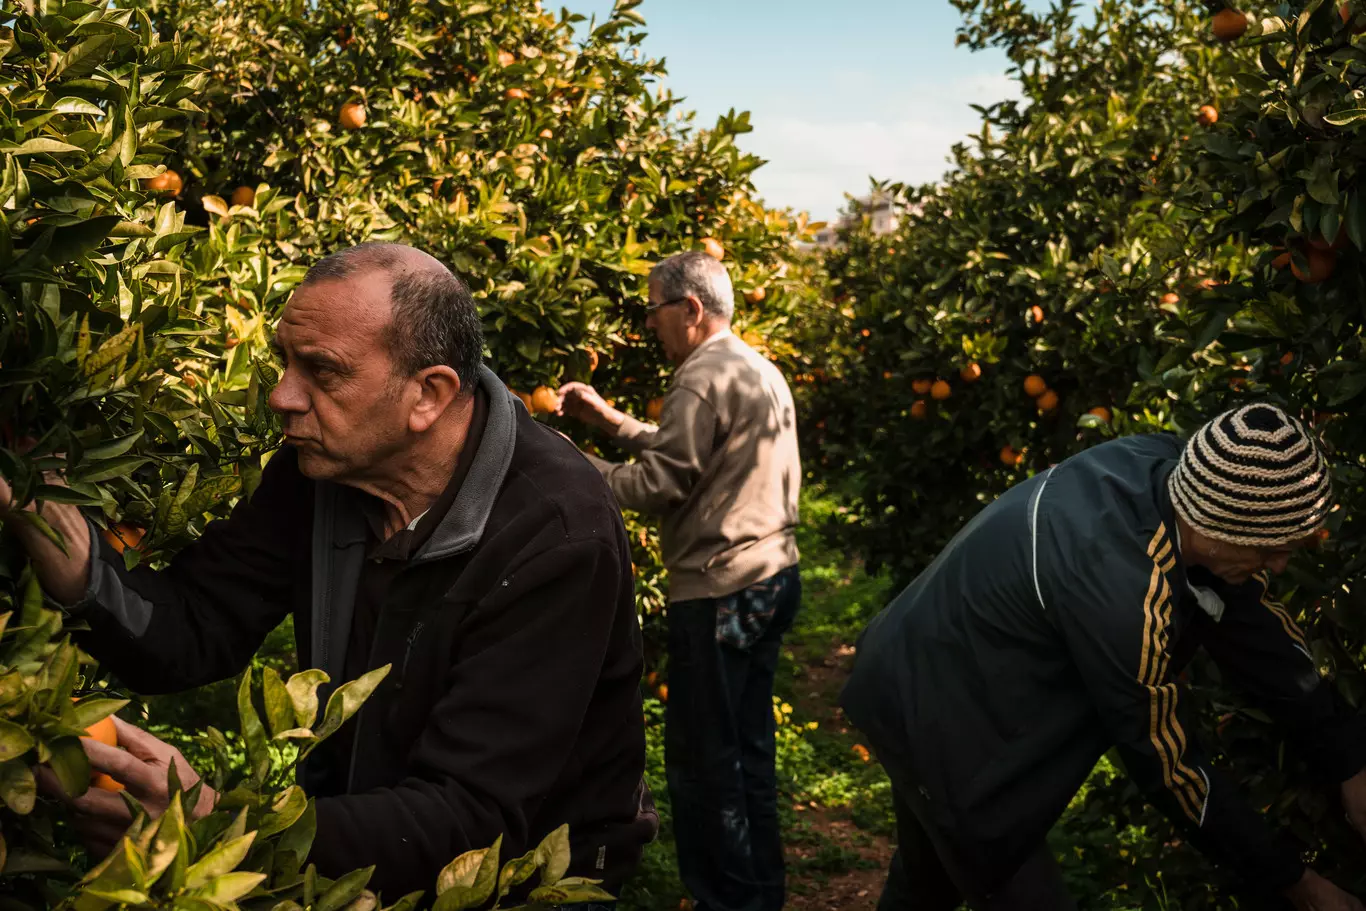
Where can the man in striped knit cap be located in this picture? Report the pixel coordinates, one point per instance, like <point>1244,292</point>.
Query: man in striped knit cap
<point>1054,627</point>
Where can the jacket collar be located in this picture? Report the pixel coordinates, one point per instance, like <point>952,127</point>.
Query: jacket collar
<point>463,524</point>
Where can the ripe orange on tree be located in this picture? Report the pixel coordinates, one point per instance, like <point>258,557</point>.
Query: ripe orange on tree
<point>243,196</point>
<point>1228,25</point>
<point>921,386</point>
<point>167,183</point>
<point>1171,299</point>
<point>544,400</point>
<point>506,58</point>
<point>1036,314</point>
<point>1010,456</point>
<point>1208,115</point>
<point>713,248</point>
<point>663,692</point>
<point>526,399</point>
<point>352,115</point>
<point>940,390</point>
<point>515,94</point>
<point>1034,386</point>
<point>123,535</point>
<point>920,409</point>
<point>1101,412</point>
<point>592,359</point>
<point>971,373</point>
<point>547,133</point>
<point>1321,265</point>
<point>1048,401</point>
<point>654,409</point>
<point>756,295</point>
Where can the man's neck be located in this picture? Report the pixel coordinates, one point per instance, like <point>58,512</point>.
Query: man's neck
<point>410,482</point>
<point>706,332</point>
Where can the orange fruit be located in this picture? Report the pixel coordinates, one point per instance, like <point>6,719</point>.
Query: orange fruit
<point>654,409</point>
<point>1321,265</point>
<point>756,295</point>
<point>1287,359</point>
<point>1345,11</point>
<point>886,374</point>
<point>713,248</point>
<point>1101,412</point>
<point>1323,535</point>
<point>1228,25</point>
<point>104,732</point>
<point>167,183</point>
<point>971,373</point>
<point>122,536</point>
<point>544,400</point>
<point>861,752</point>
<point>592,359</point>
<point>1048,401</point>
<point>506,58</point>
<point>515,94</point>
<point>940,390</point>
<point>920,409</point>
<point>921,386</point>
<point>1034,386</point>
<point>352,115</point>
<point>1280,262</point>
<point>1171,299</point>
<point>663,692</point>
<point>1208,115</point>
<point>1010,456</point>
<point>1036,314</point>
<point>526,399</point>
<point>547,133</point>
<point>243,196</point>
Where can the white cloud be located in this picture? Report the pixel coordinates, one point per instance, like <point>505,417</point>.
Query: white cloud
<point>814,159</point>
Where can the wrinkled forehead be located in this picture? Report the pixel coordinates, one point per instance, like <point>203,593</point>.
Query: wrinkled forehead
<point>353,311</point>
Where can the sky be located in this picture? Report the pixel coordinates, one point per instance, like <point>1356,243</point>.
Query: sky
<point>838,92</point>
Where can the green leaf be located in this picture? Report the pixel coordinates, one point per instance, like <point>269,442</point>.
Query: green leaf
<point>168,842</point>
<point>475,873</point>
<point>279,708</point>
<point>574,890</point>
<point>1322,184</point>
<point>115,447</point>
<point>220,860</point>
<point>89,711</point>
<point>68,761</point>
<point>552,855</point>
<point>258,756</point>
<point>517,872</point>
<point>303,693</point>
<point>230,886</point>
<point>287,809</point>
<point>73,105</point>
<point>18,787</point>
<point>108,469</point>
<point>45,146</point>
<point>1344,118</point>
<point>347,700</point>
<point>344,890</point>
<point>71,242</point>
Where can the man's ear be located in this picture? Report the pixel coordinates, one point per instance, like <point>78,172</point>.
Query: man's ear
<point>437,388</point>
<point>696,312</point>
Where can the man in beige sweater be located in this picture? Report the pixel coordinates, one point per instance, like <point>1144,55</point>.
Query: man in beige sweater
<point>721,469</point>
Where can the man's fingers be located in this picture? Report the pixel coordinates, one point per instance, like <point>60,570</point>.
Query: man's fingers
<point>123,766</point>
<point>50,784</point>
<point>140,743</point>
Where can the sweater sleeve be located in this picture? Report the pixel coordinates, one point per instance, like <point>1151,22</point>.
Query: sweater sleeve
<point>530,660</point>
<point>674,457</point>
<point>1115,616</point>
<point>1259,647</point>
<point>203,616</point>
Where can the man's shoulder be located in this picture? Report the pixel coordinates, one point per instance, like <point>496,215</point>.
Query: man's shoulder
<point>728,364</point>
<point>550,483</point>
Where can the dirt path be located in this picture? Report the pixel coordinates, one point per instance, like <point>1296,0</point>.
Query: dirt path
<point>838,865</point>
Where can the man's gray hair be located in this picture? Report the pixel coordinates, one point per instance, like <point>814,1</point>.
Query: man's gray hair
<point>434,320</point>
<point>699,275</point>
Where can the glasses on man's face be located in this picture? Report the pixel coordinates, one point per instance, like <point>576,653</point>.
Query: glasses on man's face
<point>651,308</point>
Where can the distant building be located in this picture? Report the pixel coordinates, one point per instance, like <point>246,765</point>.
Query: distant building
<point>881,211</point>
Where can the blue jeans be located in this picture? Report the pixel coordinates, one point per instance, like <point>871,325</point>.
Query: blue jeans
<point>719,743</point>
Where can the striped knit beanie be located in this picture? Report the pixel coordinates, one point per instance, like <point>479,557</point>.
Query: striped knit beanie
<point>1253,476</point>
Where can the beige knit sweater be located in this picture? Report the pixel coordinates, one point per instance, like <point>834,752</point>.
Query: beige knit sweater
<point>721,469</point>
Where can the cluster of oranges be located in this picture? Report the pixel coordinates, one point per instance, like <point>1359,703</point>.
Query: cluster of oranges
<point>938,389</point>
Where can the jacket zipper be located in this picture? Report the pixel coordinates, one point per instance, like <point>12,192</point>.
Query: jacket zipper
<point>408,655</point>
<point>360,714</point>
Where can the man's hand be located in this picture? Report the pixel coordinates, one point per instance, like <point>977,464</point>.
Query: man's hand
<point>1314,893</point>
<point>101,817</point>
<point>63,575</point>
<point>582,402</point>
<point>1354,801</point>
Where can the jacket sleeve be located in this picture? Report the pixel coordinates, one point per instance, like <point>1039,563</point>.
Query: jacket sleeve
<point>672,459</point>
<point>1115,614</point>
<point>203,616</point>
<point>1259,647</point>
<point>531,658</point>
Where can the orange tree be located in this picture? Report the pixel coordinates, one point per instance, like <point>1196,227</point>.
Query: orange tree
<point>1166,223</point>
<point>536,154</point>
